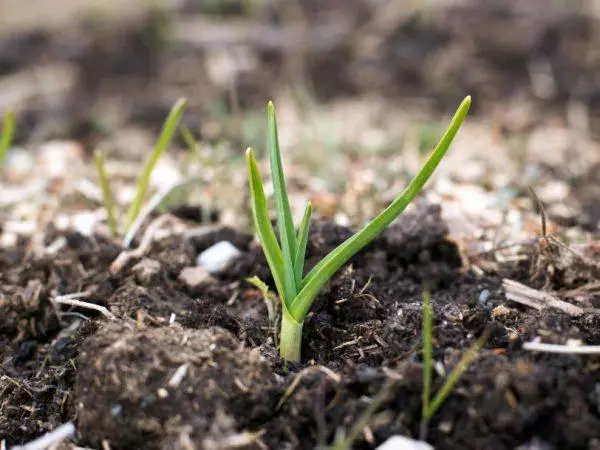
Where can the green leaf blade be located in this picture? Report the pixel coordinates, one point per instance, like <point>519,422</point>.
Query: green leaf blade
<point>168,129</point>
<point>323,271</point>
<point>107,196</point>
<point>8,131</point>
<point>467,358</point>
<point>262,224</point>
<point>285,222</point>
<point>427,335</point>
<point>301,243</point>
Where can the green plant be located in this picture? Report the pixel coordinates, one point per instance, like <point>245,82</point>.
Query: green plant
<point>286,261</point>
<point>8,130</point>
<point>429,405</point>
<point>168,129</point>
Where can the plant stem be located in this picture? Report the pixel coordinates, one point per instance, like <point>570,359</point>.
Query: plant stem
<point>291,337</point>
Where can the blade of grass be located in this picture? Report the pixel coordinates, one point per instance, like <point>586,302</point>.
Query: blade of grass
<point>427,336</point>
<point>325,269</point>
<point>301,242</point>
<point>8,130</point>
<point>287,234</point>
<point>166,134</point>
<point>107,197</point>
<point>263,226</point>
<point>466,359</point>
<point>346,442</point>
<point>191,142</point>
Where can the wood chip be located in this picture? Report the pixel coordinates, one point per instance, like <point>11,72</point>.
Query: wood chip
<point>539,300</point>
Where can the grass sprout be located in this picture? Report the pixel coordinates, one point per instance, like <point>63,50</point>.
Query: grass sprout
<point>285,256</point>
<point>107,197</point>
<point>166,134</point>
<point>270,300</point>
<point>168,130</point>
<point>346,442</point>
<point>429,405</point>
<point>8,131</point>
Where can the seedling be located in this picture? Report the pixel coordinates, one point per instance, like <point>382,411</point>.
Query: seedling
<point>168,129</point>
<point>270,300</point>
<point>286,256</point>
<point>8,130</point>
<point>430,406</point>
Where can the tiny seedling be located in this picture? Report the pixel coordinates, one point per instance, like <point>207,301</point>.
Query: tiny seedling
<point>8,130</point>
<point>168,129</point>
<point>345,441</point>
<point>286,256</point>
<point>429,405</point>
<point>270,302</point>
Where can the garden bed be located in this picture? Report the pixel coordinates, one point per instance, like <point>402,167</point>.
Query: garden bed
<point>114,375</point>
<point>141,349</point>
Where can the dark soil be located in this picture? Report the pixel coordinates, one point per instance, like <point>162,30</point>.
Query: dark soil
<point>115,378</point>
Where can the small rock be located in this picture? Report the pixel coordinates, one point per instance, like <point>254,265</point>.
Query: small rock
<point>195,277</point>
<point>216,258</point>
<point>404,443</point>
<point>58,158</point>
<point>146,271</point>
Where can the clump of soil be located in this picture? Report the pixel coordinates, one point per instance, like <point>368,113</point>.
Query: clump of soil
<point>167,386</point>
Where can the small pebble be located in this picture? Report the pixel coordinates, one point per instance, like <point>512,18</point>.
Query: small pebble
<point>483,297</point>
<point>195,277</point>
<point>216,258</point>
<point>404,443</point>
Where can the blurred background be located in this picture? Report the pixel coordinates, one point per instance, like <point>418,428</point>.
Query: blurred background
<point>363,90</point>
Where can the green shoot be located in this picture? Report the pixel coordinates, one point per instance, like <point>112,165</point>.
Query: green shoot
<point>270,302</point>
<point>430,406</point>
<point>8,130</point>
<point>190,140</point>
<point>166,134</point>
<point>107,197</point>
<point>343,442</point>
<point>297,292</point>
<point>427,332</point>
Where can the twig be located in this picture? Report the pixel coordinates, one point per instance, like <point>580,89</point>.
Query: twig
<point>540,206</point>
<point>55,436</point>
<point>539,300</point>
<point>535,346</point>
<point>126,255</point>
<point>71,299</point>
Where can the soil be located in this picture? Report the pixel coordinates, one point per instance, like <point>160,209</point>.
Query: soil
<point>114,378</point>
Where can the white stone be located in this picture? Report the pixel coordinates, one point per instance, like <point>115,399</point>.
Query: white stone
<point>404,443</point>
<point>216,258</point>
<point>59,158</point>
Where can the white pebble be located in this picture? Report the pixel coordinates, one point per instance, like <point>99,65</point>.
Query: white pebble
<point>404,443</point>
<point>217,257</point>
